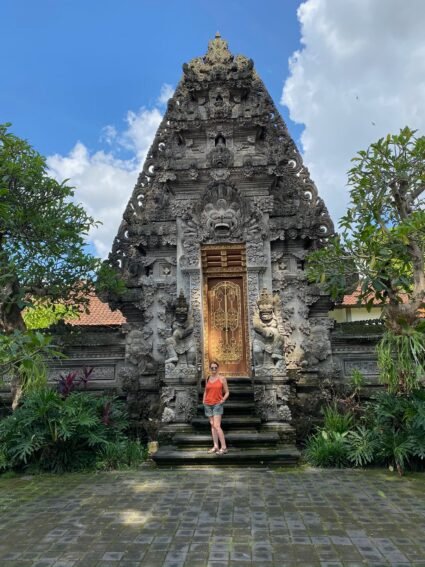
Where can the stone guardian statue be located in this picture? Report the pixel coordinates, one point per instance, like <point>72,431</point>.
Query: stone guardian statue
<point>268,347</point>
<point>181,347</point>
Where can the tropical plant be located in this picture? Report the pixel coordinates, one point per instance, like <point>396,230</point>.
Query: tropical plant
<point>58,434</point>
<point>399,424</point>
<point>328,446</point>
<point>23,360</point>
<point>401,359</point>
<point>70,382</point>
<point>336,421</point>
<point>327,449</point>
<point>362,446</point>
<point>124,454</point>
<point>357,382</point>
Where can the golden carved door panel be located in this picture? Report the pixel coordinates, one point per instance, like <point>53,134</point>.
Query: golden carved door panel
<point>226,325</point>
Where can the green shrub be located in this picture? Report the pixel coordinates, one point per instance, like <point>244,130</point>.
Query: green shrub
<point>335,421</point>
<point>392,433</point>
<point>123,454</point>
<point>327,449</point>
<point>51,433</point>
<point>399,422</point>
<point>362,446</point>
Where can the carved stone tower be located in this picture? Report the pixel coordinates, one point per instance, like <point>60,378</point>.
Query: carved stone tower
<point>212,248</point>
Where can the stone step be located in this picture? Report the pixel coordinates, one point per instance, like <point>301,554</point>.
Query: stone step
<point>240,421</point>
<point>234,439</point>
<point>282,455</point>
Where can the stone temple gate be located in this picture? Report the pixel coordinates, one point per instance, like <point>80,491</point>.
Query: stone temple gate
<point>212,249</point>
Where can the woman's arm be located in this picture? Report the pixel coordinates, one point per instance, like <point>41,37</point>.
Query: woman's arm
<point>205,391</point>
<point>225,389</point>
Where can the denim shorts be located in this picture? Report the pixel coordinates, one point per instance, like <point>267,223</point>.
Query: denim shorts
<point>217,409</point>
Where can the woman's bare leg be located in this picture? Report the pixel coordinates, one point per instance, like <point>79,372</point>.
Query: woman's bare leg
<point>214,433</point>
<point>219,431</point>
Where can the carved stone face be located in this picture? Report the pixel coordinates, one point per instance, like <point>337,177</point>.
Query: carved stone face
<point>266,315</point>
<point>221,218</point>
<point>181,315</point>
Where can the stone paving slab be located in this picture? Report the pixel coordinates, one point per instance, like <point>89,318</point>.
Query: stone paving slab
<point>211,517</point>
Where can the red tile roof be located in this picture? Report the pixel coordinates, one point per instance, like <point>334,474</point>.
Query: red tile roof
<point>353,299</point>
<point>99,314</point>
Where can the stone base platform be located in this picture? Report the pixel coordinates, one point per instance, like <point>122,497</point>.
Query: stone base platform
<point>249,440</point>
<point>253,456</point>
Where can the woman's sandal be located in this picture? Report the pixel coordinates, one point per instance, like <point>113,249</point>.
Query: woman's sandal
<point>222,451</point>
<point>213,450</point>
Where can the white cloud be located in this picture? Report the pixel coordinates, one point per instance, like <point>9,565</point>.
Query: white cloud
<point>359,75</point>
<point>141,129</point>
<point>166,93</point>
<point>108,134</point>
<point>103,181</point>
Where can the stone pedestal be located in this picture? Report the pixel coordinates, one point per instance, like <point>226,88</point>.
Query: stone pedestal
<point>273,393</point>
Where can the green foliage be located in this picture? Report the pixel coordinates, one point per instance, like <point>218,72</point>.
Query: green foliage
<point>357,381</point>
<point>327,449</point>
<point>51,433</point>
<point>25,355</point>
<point>383,231</point>
<point>336,421</point>
<point>124,454</point>
<point>42,316</point>
<point>401,359</point>
<point>391,432</point>
<point>328,446</point>
<point>43,234</point>
<point>362,445</point>
<point>398,423</point>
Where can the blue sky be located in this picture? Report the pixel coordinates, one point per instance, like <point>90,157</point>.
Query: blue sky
<point>84,81</point>
<point>76,65</point>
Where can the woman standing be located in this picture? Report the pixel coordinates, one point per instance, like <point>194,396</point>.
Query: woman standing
<point>215,394</point>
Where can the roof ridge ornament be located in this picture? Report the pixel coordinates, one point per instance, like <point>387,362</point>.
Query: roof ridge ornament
<point>218,51</point>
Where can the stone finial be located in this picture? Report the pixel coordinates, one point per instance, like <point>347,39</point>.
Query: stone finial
<point>218,51</point>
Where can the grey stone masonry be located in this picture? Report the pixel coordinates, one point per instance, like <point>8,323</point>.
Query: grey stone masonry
<point>213,517</point>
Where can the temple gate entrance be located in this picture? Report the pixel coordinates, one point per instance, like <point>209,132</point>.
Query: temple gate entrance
<point>226,337</point>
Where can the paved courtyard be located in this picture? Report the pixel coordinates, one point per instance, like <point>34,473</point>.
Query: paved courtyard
<point>213,517</point>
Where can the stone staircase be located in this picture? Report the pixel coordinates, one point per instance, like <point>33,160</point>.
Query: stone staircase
<point>249,441</point>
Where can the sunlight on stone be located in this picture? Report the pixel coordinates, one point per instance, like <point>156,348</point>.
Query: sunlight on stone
<point>129,517</point>
<point>149,487</point>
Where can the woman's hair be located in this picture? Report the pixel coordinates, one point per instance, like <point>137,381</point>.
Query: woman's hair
<point>214,362</point>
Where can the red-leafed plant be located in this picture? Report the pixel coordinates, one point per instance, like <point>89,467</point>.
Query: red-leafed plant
<point>68,383</point>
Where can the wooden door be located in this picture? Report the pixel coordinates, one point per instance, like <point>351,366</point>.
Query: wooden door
<point>226,325</point>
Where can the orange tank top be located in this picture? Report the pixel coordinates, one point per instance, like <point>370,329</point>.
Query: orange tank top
<point>214,392</point>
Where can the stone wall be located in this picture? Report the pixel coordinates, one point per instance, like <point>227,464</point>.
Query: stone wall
<point>353,347</point>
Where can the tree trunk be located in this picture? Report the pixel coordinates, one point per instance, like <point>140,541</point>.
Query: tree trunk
<point>16,390</point>
<point>11,320</point>
<point>10,312</point>
<point>401,315</point>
